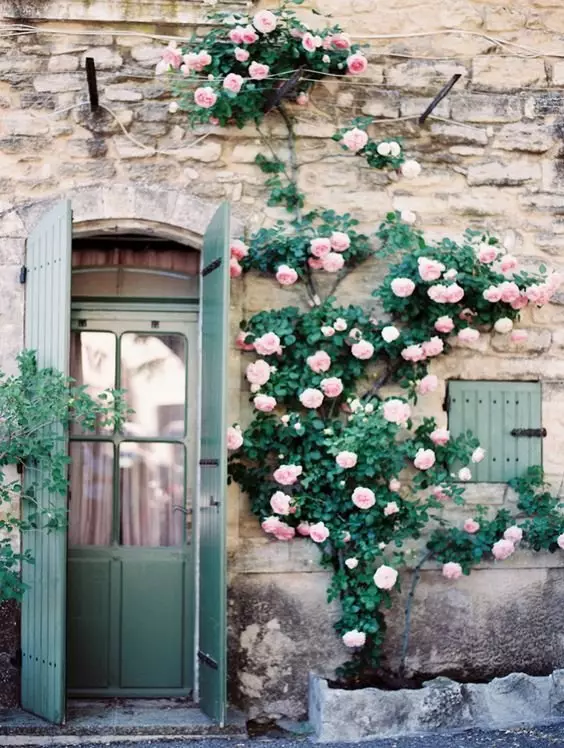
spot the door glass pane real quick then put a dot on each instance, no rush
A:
(93, 363)
(151, 477)
(153, 373)
(91, 497)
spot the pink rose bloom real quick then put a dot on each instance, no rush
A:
(340, 241)
(340, 41)
(502, 549)
(468, 335)
(444, 324)
(232, 82)
(258, 71)
(331, 386)
(471, 526)
(346, 459)
(320, 247)
(560, 541)
(351, 563)
(519, 336)
(315, 264)
(390, 333)
(205, 97)
(213, 121)
(440, 436)
(487, 253)
(242, 55)
(413, 353)
(492, 294)
(284, 532)
(402, 287)
(264, 403)
(464, 474)
(308, 42)
(438, 293)
(509, 292)
(197, 61)
(424, 459)
(439, 493)
(171, 58)
(235, 270)
(280, 503)
(249, 35)
(430, 270)
(311, 398)
(396, 411)
(433, 347)
(354, 638)
(258, 372)
(452, 570)
(394, 485)
(340, 324)
(454, 293)
(303, 529)
(363, 498)
(514, 534)
(385, 577)
(286, 275)
(234, 437)
(238, 249)
(240, 342)
(521, 302)
(265, 21)
(391, 508)
(270, 524)
(428, 384)
(267, 344)
(478, 455)
(333, 262)
(319, 362)
(362, 350)
(318, 532)
(357, 64)
(236, 35)
(508, 263)
(328, 331)
(450, 274)
(287, 475)
(355, 139)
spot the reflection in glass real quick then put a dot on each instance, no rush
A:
(151, 477)
(153, 373)
(91, 497)
(93, 363)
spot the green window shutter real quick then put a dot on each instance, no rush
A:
(212, 646)
(491, 411)
(47, 330)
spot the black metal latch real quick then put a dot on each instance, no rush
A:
(529, 432)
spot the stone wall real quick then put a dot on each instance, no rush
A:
(491, 157)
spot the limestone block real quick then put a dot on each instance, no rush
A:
(534, 138)
(104, 57)
(86, 147)
(14, 64)
(126, 148)
(117, 92)
(505, 174)
(207, 152)
(486, 108)
(62, 64)
(22, 123)
(382, 104)
(423, 76)
(538, 341)
(444, 132)
(415, 106)
(504, 18)
(58, 83)
(147, 55)
(495, 73)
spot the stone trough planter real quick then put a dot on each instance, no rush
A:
(440, 705)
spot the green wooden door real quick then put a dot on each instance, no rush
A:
(212, 654)
(47, 320)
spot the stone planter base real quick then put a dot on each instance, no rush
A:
(442, 704)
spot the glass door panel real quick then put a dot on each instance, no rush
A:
(91, 493)
(93, 363)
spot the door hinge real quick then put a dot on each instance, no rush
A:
(23, 274)
(211, 267)
(207, 659)
(213, 462)
(529, 432)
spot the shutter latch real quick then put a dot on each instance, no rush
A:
(530, 433)
(212, 266)
(23, 274)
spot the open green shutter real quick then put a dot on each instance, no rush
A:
(47, 330)
(212, 647)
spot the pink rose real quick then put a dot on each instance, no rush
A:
(320, 361)
(394, 485)
(242, 55)
(258, 71)
(249, 36)
(351, 563)
(340, 241)
(468, 335)
(465, 474)
(346, 460)
(502, 549)
(452, 570)
(236, 35)
(265, 21)
(280, 503)
(519, 336)
(514, 534)
(354, 638)
(440, 436)
(331, 387)
(471, 526)
(267, 344)
(320, 247)
(238, 249)
(430, 270)
(282, 531)
(197, 61)
(270, 524)
(439, 493)
(318, 532)
(362, 350)
(454, 293)
(328, 331)
(333, 262)
(428, 384)
(508, 263)
(413, 353)
(391, 508)
(264, 403)
(286, 275)
(303, 529)
(444, 324)
(355, 139)
(232, 82)
(205, 97)
(363, 498)
(521, 302)
(509, 292)
(346, 537)
(258, 372)
(450, 274)
(492, 294)
(478, 455)
(385, 577)
(390, 333)
(402, 287)
(234, 437)
(438, 293)
(340, 324)
(171, 57)
(433, 347)
(315, 264)
(287, 475)
(486, 253)
(308, 42)
(311, 398)
(235, 270)
(396, 411)
(424, 459)
(339, 41)
(240, 342)
(357, 64)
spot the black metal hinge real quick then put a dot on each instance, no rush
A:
(209, 463)
(23, 274)
(207, 659)
(529, 432)
(211, 267)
